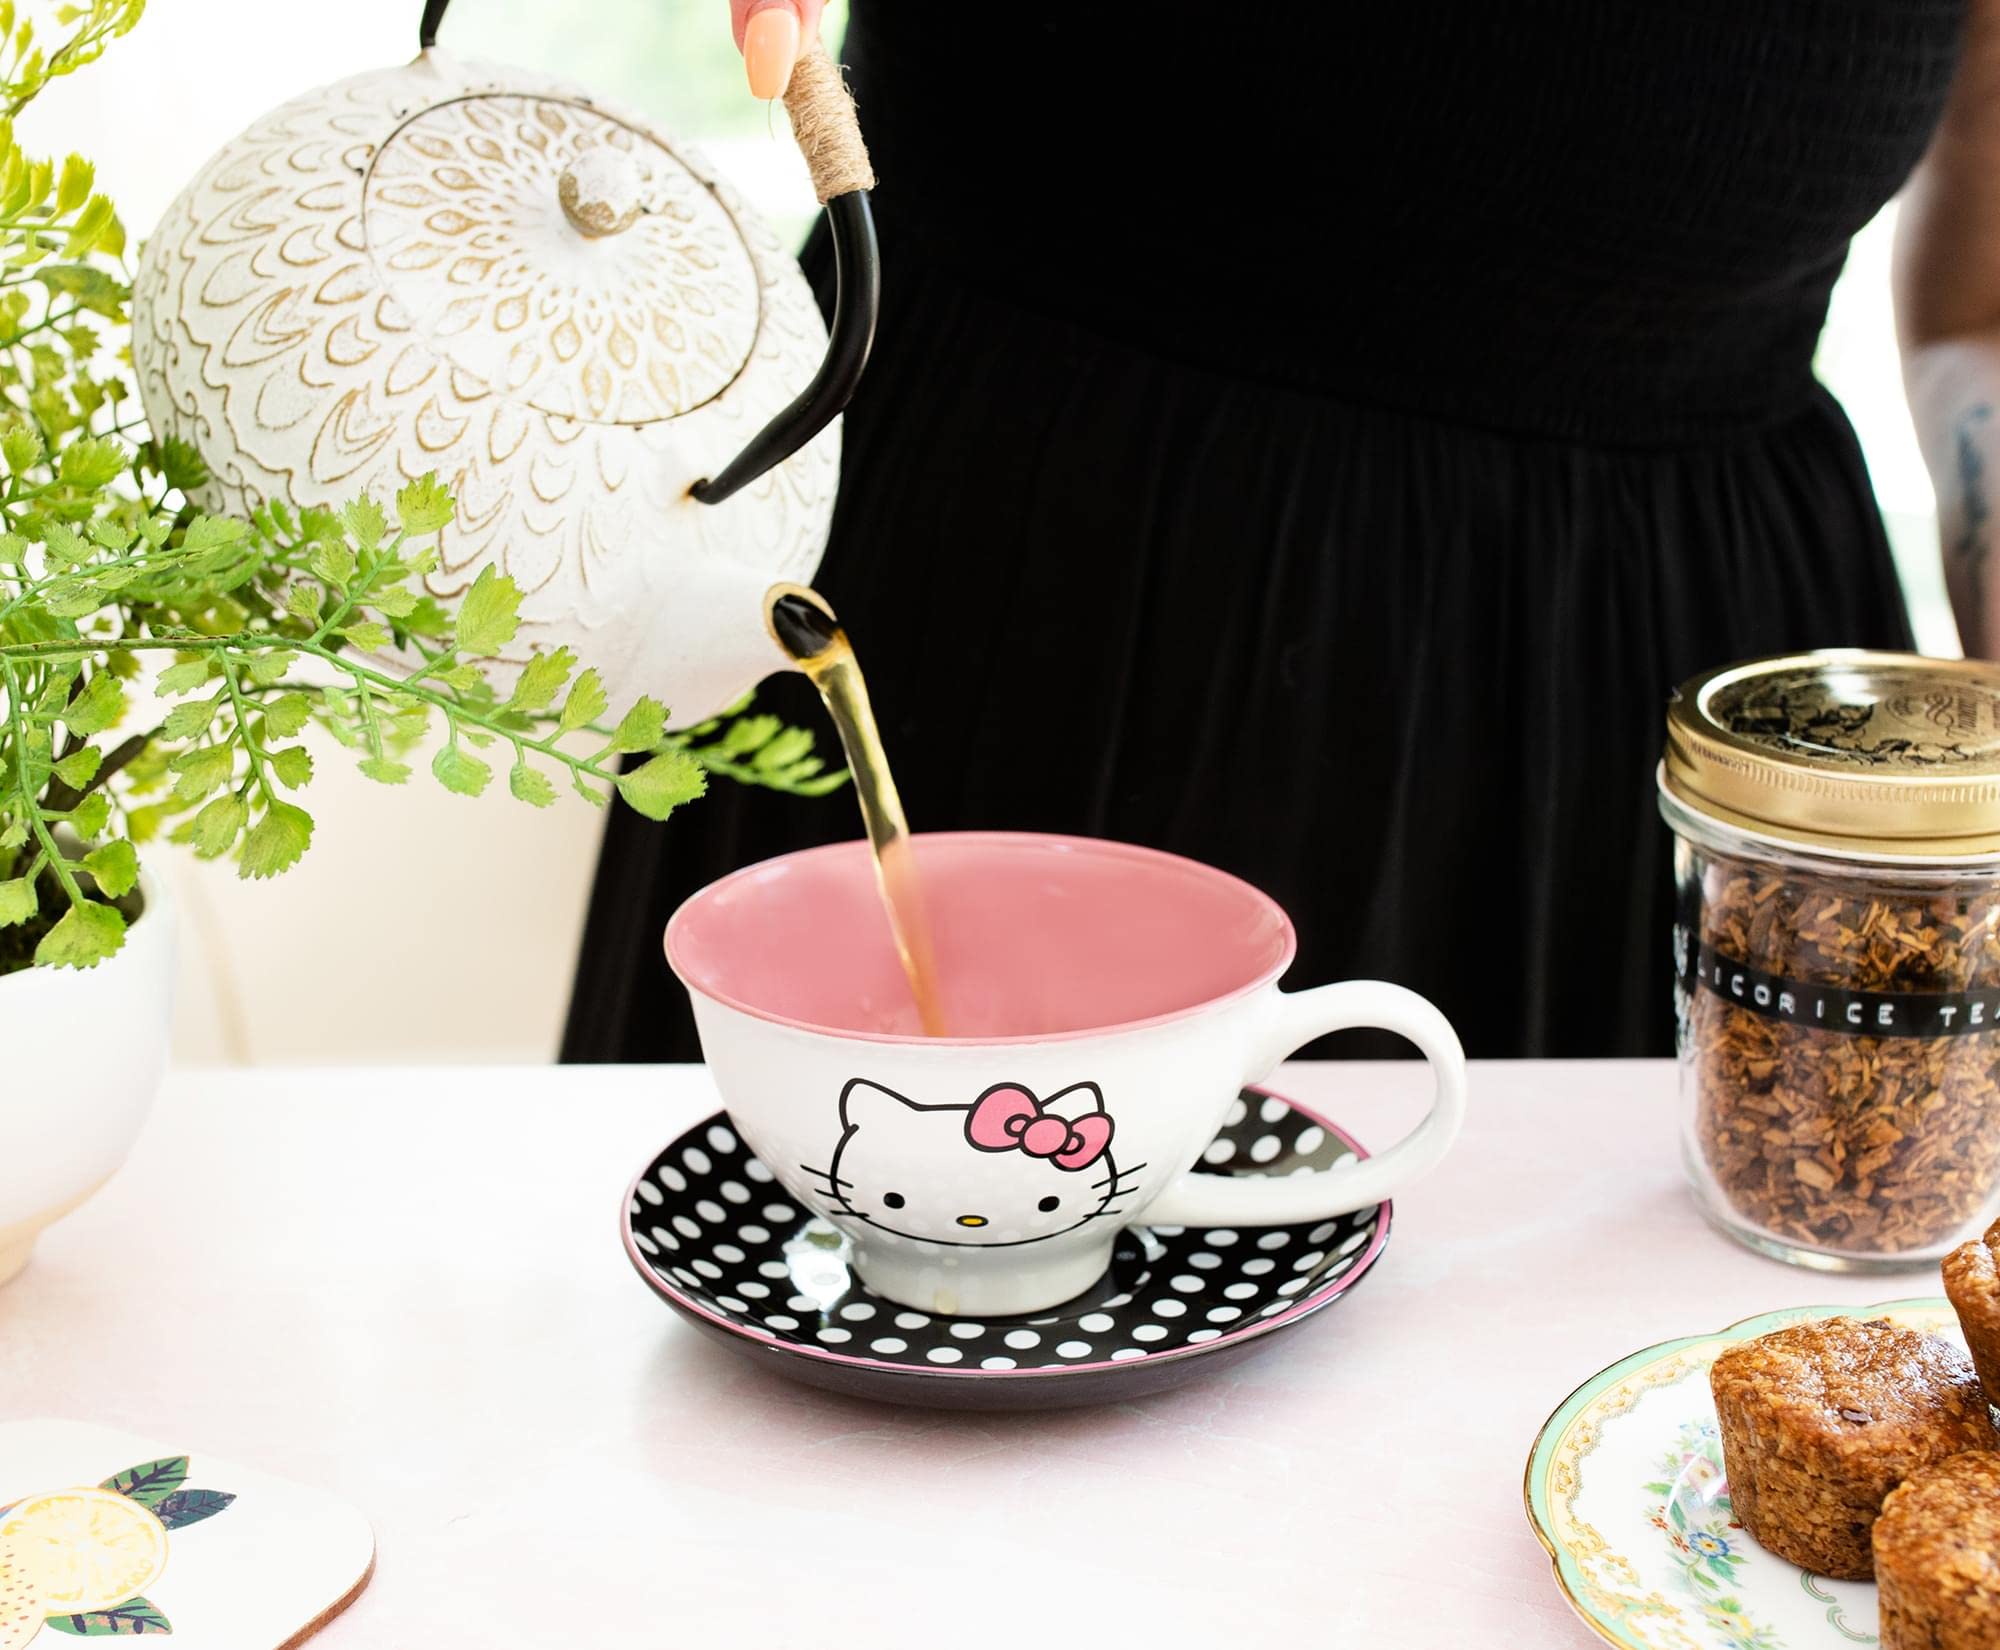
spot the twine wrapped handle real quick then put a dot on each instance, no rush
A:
(824, 123)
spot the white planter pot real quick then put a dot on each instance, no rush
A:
(82, 1052)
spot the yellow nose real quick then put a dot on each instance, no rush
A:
(972, 1220)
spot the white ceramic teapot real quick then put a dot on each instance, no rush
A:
(487, 273)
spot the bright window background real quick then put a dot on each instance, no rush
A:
(443, 929)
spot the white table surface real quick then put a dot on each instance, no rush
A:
(406, 1286)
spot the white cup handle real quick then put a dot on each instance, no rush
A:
(1283, 1200)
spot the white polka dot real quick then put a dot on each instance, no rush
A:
(645, 1243)
(1265, 1147)
(671, 1178)
(1224, 1314)
(730, 1303)
(944, 1354)
(1274, 1240)
(728, 1252)
(1022, 1338)
(651, 1193)
(1096, 1322)
(1258, 1267)
(911, 1320)
(686, 1278)
(1169, 1231)
(709, 1209)
(665, 1239)
(773, 1269)
(1319, 1234)
(1273, 1309)
(778, 1320)
(734, 1191)
(751, 1287)
(1125, 1354)
(1219, 1240)
(697, 1160)
(754, 1170)
(1186, 1284)
(857, 1311)
(1238, 1110)
(996, 1363)
(1292, 1286)
(1203, 1259)
(754, 1234)
(1354, 1243)
(1273, 1110)
(1240, 1291)
(721, 1139)
(1220, 1150)
(1201, 1335)
(1073, 1349)
(833, 1334)
(708, 1268)
(778, 1213)
(686, 1227)
(803, 1303)
(1170, 1308)
(1310, 1140)
(1150, 1332)
(1310, 1259)
(1344, 1157)
(1117, 1301)
(968, 1331)
(888, 1343)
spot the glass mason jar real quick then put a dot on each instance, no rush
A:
(1837, 952)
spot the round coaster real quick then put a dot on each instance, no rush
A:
(713, 1233)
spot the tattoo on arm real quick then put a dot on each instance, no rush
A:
(1970, 547)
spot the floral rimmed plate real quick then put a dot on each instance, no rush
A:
(713, 1234)
(1626, 1490)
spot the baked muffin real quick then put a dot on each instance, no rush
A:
(1821, 1420)
(1972, 1284)
(1937, 1557)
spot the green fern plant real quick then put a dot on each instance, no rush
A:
(158, 666)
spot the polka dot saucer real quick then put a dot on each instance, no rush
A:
(714, 1235)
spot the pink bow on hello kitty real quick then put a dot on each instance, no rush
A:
(1009, 1118)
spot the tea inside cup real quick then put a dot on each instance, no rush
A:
(1036, 937)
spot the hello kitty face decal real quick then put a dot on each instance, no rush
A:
(1003, 1169)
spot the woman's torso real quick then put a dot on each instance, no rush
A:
(1592, 219)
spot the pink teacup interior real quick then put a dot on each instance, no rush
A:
(1035, 936)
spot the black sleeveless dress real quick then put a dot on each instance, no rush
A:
(1320, 451)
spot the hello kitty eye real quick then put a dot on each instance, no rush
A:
(892, 1200)
(1048, 1203)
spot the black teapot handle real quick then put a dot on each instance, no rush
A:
(823, 120)
(824, 123)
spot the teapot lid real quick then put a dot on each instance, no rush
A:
(570, 261)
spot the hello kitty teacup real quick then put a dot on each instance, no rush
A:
(1106, 1005)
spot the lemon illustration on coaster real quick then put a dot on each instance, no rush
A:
(83, 1550)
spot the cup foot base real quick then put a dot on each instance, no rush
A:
(997, 1283)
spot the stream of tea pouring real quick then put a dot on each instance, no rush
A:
(804, 627)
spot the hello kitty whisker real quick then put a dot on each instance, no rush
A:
(827, 1175)
(1117, 1175)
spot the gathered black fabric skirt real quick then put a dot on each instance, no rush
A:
(1405, 673)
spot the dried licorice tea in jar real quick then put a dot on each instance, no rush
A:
(1837, 948)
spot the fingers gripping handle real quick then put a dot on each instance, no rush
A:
(1241, 1200)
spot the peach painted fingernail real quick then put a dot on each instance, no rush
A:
(770, 48)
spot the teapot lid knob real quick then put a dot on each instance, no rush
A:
(602, 191)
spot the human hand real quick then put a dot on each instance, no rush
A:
(771, 34)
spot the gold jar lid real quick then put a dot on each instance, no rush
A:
(1864, 753)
